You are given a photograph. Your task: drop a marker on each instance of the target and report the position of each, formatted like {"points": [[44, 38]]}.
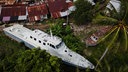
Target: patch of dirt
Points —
{"points": [[38, 26], [28, 25]]}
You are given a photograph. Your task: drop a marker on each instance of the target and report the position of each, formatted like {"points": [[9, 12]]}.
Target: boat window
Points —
{"points": [[35, 39], [59, 45], [96, 38], [70, 55], [30, 36], [43, 43], [39, 41], [52, 46]]}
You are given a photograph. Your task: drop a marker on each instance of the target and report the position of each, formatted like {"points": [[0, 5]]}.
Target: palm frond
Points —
{"points": [[107, 65], [101, 6], [113, 38], [126, 38], [108, 47], [102, 57], [102, 39], [100, 19]]}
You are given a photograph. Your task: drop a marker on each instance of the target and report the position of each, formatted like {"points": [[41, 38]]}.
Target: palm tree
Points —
{"points": [[119, 26]]}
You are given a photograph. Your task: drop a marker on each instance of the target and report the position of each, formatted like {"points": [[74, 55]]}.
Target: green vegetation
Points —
{"points": [[83, 13]]}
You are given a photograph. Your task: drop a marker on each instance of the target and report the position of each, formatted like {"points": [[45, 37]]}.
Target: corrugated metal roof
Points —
{"points": [[13, 10], [57, 5], [36, 10]]}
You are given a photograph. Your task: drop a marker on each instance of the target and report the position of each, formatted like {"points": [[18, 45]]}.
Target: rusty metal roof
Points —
{"points": [[13, 10], [37, 10], [57, 5]]}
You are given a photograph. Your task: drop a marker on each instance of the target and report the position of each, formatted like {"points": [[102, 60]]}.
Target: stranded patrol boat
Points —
{"points": [[52, 44]]}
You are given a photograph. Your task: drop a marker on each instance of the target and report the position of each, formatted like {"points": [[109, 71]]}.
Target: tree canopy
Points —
{"points": [[83, 13]]}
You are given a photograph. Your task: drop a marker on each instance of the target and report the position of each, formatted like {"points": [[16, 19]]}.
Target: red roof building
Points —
{"points": [[11, 12], [59, 8], [36, 12]]}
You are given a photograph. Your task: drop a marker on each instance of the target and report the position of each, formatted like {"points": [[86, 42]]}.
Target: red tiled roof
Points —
{"points": [[37, 10], [13, 10]]}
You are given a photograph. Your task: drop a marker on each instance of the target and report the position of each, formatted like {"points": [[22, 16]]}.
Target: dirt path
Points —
{"points": [[28, 25], [37, 26]]}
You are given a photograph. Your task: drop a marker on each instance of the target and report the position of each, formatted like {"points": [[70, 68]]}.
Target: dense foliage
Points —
{"points": [[83, 13]]}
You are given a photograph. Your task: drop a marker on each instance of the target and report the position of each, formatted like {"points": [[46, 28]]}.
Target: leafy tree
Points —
{"points": [[83, 13], [37, 60]]}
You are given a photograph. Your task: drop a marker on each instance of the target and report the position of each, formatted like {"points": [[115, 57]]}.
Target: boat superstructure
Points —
{"points": [[52, 44]]}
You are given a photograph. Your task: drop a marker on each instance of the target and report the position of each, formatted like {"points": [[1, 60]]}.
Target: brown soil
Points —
{"points": [[29, 25]]}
